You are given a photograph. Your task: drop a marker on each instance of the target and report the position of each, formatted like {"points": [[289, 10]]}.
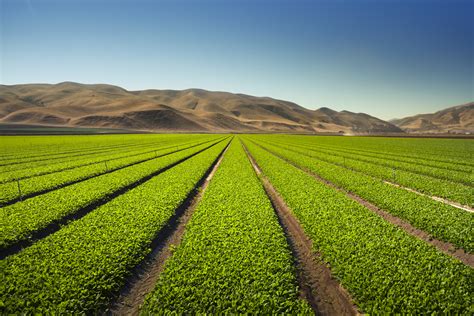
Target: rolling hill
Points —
{"points": [[456, 119], [101, 105]]}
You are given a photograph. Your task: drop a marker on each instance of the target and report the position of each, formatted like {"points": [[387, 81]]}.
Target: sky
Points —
{"points": [[387, 58]]}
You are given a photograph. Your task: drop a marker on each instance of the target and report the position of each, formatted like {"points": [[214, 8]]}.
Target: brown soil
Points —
{"points": [[324, 293], [146, 275], [442, 246]]}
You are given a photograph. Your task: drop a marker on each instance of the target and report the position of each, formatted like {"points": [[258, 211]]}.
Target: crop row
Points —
{"points": [[52, 159], [234, 257], [82, 266], [385, 269], [457, 192], [400, 157], [67, 147], [23, 218], [29, 171], [15, 190], [460, 176], [445, 151], [440, 220]]}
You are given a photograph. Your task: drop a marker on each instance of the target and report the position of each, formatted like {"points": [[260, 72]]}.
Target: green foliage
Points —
{"points": [[454, 185], [80, 267], [440, 220], [21, 219], [234, 257], [385, 269], [67, 171]]}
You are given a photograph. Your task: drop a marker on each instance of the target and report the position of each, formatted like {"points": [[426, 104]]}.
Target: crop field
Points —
{"points": [[257, 224]]}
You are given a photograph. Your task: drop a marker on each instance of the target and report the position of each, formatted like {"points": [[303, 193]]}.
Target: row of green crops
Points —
{"points": [[438, 219], [24, 149], [82, 266], [436, 166], [384, 148], [27, 170], [50, 160], [234, 257], [453, 151], [385, 269], [348, 157], [432, 186], [11, 190], [21, 219]]}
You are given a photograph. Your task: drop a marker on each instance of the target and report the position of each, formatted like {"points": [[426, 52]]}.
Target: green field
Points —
{"points": [[190, 222]]}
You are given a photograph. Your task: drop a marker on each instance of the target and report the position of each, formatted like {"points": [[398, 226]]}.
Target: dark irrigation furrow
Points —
{"points": [[31, 195], [324, 293], [442, 246], [56, 225], [144, 276]]}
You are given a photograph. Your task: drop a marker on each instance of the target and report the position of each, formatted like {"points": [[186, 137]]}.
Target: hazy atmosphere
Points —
{"points": [[387, 58]]}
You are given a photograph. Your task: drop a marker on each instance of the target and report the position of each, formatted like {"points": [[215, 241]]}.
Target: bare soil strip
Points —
{"points": [[56, 225], [324, 293], [445, 247], [34, 194], [145, 276], [454, 204]]}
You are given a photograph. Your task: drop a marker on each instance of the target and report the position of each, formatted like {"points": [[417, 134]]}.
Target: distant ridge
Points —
{"points": [[108, 106], [457, 119]]}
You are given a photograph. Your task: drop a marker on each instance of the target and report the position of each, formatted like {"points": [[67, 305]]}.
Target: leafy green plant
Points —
{"points": [[234, 257], [385, 269], [82, 266]]}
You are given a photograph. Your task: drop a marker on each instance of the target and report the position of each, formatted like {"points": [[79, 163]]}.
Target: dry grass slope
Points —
{"points": [[100, 105], [457, 119]]}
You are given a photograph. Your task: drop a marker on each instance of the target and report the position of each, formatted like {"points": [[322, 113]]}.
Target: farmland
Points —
{"points": [[208, 223]]}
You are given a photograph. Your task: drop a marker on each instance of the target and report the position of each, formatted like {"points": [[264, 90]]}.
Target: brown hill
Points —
{"points": [[100, 105], [457, 119]]}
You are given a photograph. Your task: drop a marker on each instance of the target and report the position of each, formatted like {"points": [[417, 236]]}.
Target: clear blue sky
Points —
{"points": [[386, 58]]}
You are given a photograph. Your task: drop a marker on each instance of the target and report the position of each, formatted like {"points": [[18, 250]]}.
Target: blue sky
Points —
{"points": [[387, 58]]}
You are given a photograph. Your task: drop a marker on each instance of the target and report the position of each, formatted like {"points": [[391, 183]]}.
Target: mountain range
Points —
{"points": [[192, 110], [456, 119]]}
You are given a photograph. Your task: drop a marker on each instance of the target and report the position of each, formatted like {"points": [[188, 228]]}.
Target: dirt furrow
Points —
{"points": [[324, 293], [442, 246], [145, 276]]}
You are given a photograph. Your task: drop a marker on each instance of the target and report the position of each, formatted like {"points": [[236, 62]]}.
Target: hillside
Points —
{"points": [[457, 119], [100, 105]]}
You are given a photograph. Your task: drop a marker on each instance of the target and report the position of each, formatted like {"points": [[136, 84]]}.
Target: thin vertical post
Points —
{"points": [[19, 189]]}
